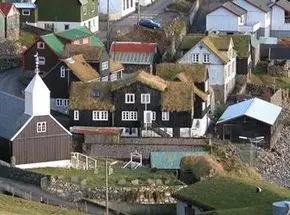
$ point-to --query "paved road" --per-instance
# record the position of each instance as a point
(10, 82)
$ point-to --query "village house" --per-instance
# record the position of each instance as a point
(118, 9)
(11, 21)
(77, 13)
(136, 55)
(29, 132)
(251, 118)
(218, 53)
(50, 47)
(141, 104)
(280, 25)
(28, 12)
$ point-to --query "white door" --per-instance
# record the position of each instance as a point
(148, 117)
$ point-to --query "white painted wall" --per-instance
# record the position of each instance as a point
(117, 7)
(222, 20)
(278, 20)
(201, 129)
(146, 2)
(60, 163)
(60, 26)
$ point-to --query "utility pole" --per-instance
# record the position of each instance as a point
(108, 25)
(139, 11)
(107, 188)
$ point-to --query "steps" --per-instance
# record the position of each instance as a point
(156, 128)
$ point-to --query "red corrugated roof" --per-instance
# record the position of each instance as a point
(94, 130)
(5, 8)
(134, 47)
(284, 42)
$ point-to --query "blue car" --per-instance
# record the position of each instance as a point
(149, 23)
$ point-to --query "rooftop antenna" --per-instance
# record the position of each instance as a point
(36, 63)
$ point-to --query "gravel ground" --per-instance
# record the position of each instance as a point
(274, 165)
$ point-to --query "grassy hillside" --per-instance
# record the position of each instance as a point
(16, 206)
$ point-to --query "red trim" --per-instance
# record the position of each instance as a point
(6, 8)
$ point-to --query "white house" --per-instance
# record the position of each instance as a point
(144, 3)
(280, 19)
(258, 14)
(118, 8)
(218, 53)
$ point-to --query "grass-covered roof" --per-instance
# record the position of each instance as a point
(232, 194)
(116, 66)
(242, 45)
(190, 40)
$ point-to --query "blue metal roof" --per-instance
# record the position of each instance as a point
(171, 160)
(254, 108)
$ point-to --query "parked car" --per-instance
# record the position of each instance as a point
(149, 23)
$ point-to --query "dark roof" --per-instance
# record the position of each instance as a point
(90, 53)
(279, 53)
(12, 116)
(284, 4)
(233, 8)
(263, 5)
(5, 8)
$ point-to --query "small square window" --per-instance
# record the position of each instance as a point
(100, 115)
(41, 127)
(66, 27)
(153, 115)
(195, 58)
(76, 115)
(26, 12)
(130, 98)
(41, 60)
(40, 45)
(165, 116)
(206, 58)
(145, 98)
(105, 65)
(62, 72)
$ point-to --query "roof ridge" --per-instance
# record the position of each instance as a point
(250, 105)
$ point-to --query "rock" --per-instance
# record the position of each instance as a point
(158, 182)
(150, 181)
(60, 177)
(167, 182)
(84, 182)
(135, 182)
(74, 179)
(122, 182)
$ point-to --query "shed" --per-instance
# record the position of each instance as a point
(250, 118)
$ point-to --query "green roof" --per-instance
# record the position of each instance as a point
(54, 43)
(96, 41)
(75, 33)
(227, 193)
(190, 40)
(170, 160)
(241, 45)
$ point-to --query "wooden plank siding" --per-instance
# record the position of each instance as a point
(32, 18)
(32, 147)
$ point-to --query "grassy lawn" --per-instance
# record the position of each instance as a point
(181, 5)
(229, 195)
(16, 206)
(98, 179)
(26, 38)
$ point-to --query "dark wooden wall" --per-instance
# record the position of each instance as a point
(86, 119)
(242, 66)
(5, 151)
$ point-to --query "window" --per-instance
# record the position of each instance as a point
(130, 98)
(128, 4)
(131, 3)
(105, 65)
(76, 115)
(85, 9)
(62, 102)
(62, 72)
(93, 6)
(41, 60)
(145, 98)
(76, 42)
(153, 115)
(85, 40)
(100, 115)
(26, 12)
(104, 79)
(40, 45)
(41, 127)
(129, 115)
(66, 26)
(206, 58)
(165, 116)
(124, 4)
(195, 58)
(113, 77)
(287, 17)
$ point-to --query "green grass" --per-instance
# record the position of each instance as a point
(181, 5)
(229, 195)
(16, 206)
(26, 38)
(98, 180)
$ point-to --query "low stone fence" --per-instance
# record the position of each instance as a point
(24, 176)
(9, 62)
(34, 30)
(144, 146)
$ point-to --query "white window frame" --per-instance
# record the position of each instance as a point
(129, 115)
(85, 10)
(129, 98)
(206, 58)
(153, 115)
(195, 58)
(58, 103)
(105, 65)
(41, 60)
(76, 115)
(165, 116)
(25, 12)
(62, 72)
(100, 115)
(41, 127)
(113, 77)
(145, 98)
(40, 45)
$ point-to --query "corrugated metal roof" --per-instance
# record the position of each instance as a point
(133, 57)
(171, 160)
(12, 116)
(25, 5)
(254, 108)
(232, 7)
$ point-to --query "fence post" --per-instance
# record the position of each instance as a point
(87, 163)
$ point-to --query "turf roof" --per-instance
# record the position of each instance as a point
(116, 66)
(75, 33)
(190, 40)
(241, 45)
(54, 43)
(222, 193)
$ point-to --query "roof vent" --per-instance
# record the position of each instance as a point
(96, 93)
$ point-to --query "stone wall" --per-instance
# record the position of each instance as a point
(144, 146)
(34, 30)
(23, 176)
(9, 62)
(219, 94)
